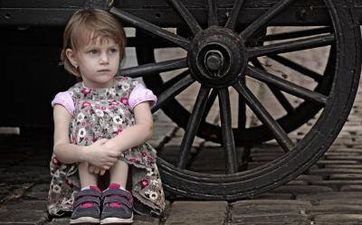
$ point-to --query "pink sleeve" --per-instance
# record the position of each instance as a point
(64, 99)
(141, 94)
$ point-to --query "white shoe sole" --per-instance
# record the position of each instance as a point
(113, 220)
(84, 220)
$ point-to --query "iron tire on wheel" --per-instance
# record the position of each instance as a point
(336, 99)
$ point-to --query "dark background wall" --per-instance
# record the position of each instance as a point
(30, 75)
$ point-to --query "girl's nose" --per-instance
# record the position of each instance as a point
(104, 58)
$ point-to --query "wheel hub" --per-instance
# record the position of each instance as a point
(217, 57)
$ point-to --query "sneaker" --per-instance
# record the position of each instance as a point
(117, 206)
(86, 208)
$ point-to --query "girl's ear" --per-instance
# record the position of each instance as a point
(71, 57)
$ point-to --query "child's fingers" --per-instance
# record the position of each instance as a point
(114, 154)
(96, 170)
(91, 168)
(101, 172)
(107, 166)
(112, 157)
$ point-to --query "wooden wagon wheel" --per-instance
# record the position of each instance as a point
(248, 135)
(220, 64)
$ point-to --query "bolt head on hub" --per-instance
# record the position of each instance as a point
(217, 57)
(214, 60)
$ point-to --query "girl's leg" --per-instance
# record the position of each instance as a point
(119, 173)
(86, 203)
(118, 203)
(86, 178)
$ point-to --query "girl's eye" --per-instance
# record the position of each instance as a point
(93, 51)
(113, 50)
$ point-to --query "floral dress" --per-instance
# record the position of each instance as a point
(104, 113)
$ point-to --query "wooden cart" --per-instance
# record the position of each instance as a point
(225, 45)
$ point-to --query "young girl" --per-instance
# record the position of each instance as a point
(100, 125)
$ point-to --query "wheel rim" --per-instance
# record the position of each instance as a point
(298, 156)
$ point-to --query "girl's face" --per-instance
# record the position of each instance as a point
(98, 62)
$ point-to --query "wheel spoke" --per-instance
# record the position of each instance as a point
(280, 135)
(282, 99)
(174, 81)
(186, 16)
(277, 93)
(264, 19)
(290, 46)
(241, 113)
(231, 22)
(137, 41)
(298, 34)
(192, 126)
(212, 13)
(209, 104)
(173, 91)
(227, 131)
(150, 68)
(297, 67)
(287, 86)
(145, 25)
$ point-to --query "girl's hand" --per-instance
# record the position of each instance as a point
(96, 170)
(101, 154)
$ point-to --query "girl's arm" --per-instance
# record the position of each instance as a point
(71, 153)
(137, 134)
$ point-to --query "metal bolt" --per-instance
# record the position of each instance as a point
(214, 60)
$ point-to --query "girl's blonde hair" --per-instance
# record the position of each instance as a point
(86, 25)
